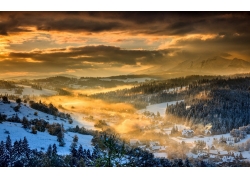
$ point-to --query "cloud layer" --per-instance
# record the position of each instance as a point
(71, 41)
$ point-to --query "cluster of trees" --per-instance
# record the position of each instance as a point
(49, 109)
(16, 154)
(7, 84)
(15, 118)
(175, 131)
(81, 130)
(63, 92)
(19, 90)
(5, 99)
(54, 129)
(3, 117)
(244, 146)
(107, 152)
(36, 86)
(101, 124)
(241, 132)
(199, 146)
(225, 103)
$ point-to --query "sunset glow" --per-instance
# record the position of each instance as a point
(113, 43)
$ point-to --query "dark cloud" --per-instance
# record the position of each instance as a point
(97, 54)
(74, 24)
(161, 23)
(181, 28)
(226, 43)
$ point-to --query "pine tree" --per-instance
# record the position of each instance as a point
(60, 136)
(75, 139)
(80, 152)
(3, 155)
(8, 144)
(49, 151)
(240, 156)
(187, 163)
(73, 150)
(54, 150)
(25, 122)
(8, 147)
(16, 155)
(55, 159)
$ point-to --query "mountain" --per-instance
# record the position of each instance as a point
(211, 66)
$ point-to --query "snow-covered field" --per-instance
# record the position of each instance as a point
(161, 108)
(30, 91)
(41, 139)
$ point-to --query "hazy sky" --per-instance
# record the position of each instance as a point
(112, 43)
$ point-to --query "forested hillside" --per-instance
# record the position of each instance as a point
(152, 92)
(224, 103)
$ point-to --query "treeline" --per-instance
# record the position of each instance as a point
(106, 153)
(223, 103)
(152, 92)
(36, 86)
(63, 92)
(96, 82)
(49, 109)
(7, 84)
(81, 130)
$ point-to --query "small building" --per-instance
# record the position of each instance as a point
(154, 143)
(207, 132)
(134, 142)
(187, 133)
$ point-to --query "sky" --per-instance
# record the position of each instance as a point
(97, 43)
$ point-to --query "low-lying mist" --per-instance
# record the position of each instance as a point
(89, 91)
(124, 120)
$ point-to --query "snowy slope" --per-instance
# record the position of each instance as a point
(29, 91)
(41, 139)
(161, 108)
(26, 111)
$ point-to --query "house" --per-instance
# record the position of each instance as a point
(143, 147)
(187, 133)
(154, 143)
(155, 148)
(160, 155)
(134, 142)
(207, 132)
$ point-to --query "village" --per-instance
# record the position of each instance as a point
(224, 149)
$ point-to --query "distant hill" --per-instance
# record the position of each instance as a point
(37, 77)
(211, 66)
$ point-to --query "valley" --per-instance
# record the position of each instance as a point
(173, 119)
